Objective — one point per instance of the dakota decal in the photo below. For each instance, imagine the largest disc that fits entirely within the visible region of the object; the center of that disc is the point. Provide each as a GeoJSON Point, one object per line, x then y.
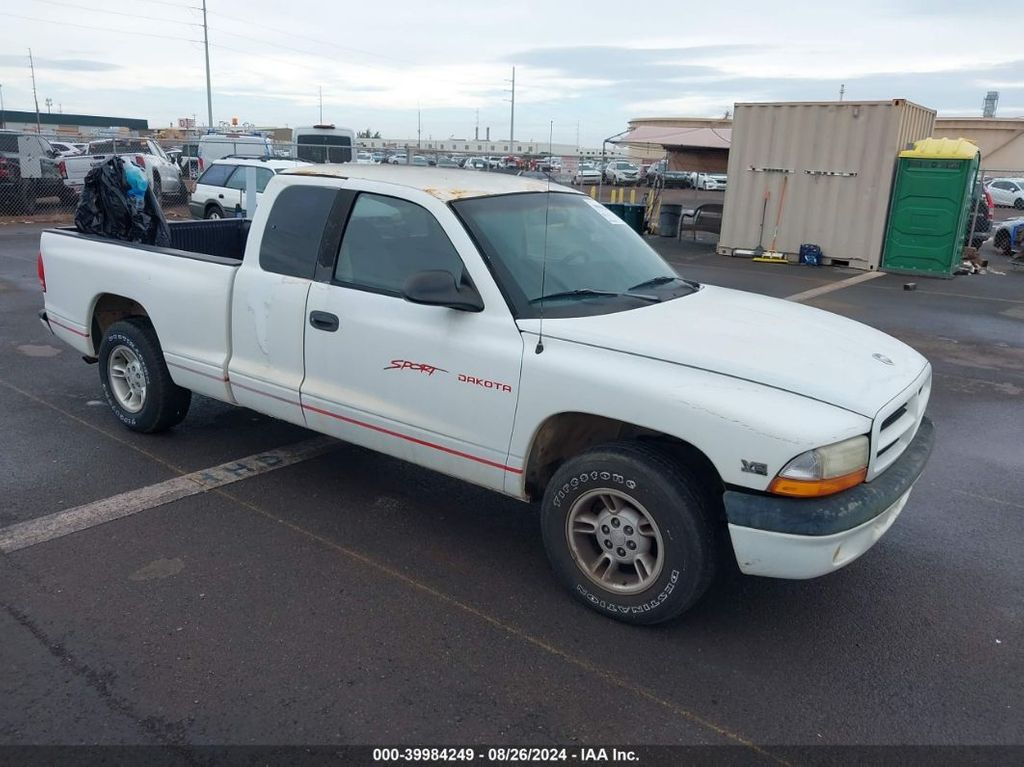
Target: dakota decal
{"type": "Point", "coordinates": [496, 385]}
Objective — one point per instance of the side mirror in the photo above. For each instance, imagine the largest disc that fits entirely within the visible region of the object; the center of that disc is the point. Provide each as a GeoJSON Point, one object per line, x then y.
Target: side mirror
{"type": "Point", "coordinates": [436, 287]}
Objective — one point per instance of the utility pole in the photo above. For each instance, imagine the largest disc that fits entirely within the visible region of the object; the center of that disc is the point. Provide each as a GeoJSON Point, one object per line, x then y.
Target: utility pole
{"type": "Point", "coordinates": [551, 132]}
{"type": "Point", "coordinates": [3, 116]}
{"type": "Point", "coordinates": [512, 117]}
{"type": "Point", "coordinates": [842, 90]}
{"type": "Point", "coordinates": [321, 105]}
{"type": "Point", "coordinates": [209, 92]}
{"type": "Point", "coordinates": [476, 132]}
{"type": "Point", "coordinates": [419, 126]}
{"type": "Point", "coordinates": [35, 98]}
{"type": "Point", "coordinates": [49, 105]}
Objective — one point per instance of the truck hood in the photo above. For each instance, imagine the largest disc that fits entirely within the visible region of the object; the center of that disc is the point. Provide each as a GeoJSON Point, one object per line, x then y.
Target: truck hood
{"type": "Point", "coordinates": [770, 341]}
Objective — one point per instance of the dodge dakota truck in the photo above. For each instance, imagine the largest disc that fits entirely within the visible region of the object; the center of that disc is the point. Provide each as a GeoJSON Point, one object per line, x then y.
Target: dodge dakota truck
{"type": "Point", "coordinates": [519, 336]}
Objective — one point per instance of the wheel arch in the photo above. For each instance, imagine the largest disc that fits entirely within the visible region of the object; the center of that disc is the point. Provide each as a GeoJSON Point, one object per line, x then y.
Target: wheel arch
{"type": "Point", "coordinates": [109, 308]}
{"type": "Point", "coordinates": [564, 435]}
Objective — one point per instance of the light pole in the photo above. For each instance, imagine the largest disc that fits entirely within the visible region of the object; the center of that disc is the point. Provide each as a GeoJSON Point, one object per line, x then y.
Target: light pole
{"type": "Point", "coordinates": [3, 117]}
{"type": "Point", "coordinates": [49, 104]}
{"type": "Point", "coordinates": [209, 93]}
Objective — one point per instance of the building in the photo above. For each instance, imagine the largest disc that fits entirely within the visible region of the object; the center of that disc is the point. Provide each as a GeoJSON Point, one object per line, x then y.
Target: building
{"type": "Point", "coordinates": [1001, 140]}
{"type": "Point", "coordinates": [72, 126]}
{"type": "Point", "coordinates": [647, 134]}
{"type": "Point", "coordinates": [483, 146]}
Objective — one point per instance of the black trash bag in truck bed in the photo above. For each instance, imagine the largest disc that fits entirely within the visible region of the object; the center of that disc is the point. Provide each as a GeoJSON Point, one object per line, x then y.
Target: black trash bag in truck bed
{"type": "Point", "coordinates": [105, 209]}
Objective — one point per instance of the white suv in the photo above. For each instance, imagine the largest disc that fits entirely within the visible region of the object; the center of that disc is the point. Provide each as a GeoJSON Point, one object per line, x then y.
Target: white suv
{"type": "Point", "coordinates": [622, 172]}
{"type": "Point", "coordinates": [220, 191]}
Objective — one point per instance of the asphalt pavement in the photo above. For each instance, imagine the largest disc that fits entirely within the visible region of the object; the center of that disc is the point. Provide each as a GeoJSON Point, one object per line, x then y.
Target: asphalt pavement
{"type": "Point", "coordinates": [353, 598]}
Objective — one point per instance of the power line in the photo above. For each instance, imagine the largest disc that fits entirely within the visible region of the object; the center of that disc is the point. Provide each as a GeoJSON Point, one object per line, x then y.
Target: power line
{"type": "Point", "coordinates": [119, 13]}
{"type": "Point", "coordinates": [128, 32]}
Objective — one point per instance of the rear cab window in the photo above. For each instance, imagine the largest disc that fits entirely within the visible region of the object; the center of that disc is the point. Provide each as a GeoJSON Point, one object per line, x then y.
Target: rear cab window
{"type": "Point", "coordinates": [300, 219]}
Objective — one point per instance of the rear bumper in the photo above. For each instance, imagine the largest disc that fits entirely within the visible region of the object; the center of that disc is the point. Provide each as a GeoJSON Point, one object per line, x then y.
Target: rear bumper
{"type": "Point", "coordinates": [804, 538]}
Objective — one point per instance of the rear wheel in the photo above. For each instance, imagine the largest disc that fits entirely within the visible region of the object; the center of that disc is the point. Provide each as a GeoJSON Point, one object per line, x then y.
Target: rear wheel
{"type": "Point", "coordinates": [135, 379]}
{"type": "Point", "coordinates": [630, 532]}
{"type": "Point", "coordinates": [1002, 241]}
{"type": "Point", "coordinates": [1019, 203]}
{"type": "Point", "coordinates": [214, 212]}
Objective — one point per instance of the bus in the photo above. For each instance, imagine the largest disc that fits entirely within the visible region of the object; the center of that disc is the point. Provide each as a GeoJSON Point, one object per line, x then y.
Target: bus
{"type": "Point", "coordinates": [324, 143]}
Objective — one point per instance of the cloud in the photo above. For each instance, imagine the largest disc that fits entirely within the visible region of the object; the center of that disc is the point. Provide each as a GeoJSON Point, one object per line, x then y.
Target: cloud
{"type": "Point", "coordinates": [73, 65]}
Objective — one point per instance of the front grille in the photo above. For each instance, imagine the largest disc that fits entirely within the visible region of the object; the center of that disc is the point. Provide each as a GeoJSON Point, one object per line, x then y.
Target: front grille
{"type": "Point", "coordinates": [896, 425]}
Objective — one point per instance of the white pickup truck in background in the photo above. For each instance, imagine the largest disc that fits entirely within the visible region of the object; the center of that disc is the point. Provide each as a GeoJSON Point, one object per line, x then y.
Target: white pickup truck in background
{"type": "Point", "coordinates": [524, 339]}
{"type": "Point", "coordinates": [163, 174]}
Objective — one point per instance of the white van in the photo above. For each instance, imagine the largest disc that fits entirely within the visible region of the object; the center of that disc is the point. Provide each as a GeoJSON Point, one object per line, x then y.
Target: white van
{"type": "Point", "coordinates": [324, 143]}
{"type": "Point", "coordinates": [215, 146]}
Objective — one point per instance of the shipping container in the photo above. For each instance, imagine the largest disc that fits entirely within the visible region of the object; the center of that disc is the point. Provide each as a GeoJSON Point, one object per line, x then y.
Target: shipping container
{"type": "Point", "coordinates": [818, 173]}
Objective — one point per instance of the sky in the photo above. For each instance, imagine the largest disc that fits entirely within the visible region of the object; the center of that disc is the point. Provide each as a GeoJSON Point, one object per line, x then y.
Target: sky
{"type": "Point", "coordinates": [583, 69]}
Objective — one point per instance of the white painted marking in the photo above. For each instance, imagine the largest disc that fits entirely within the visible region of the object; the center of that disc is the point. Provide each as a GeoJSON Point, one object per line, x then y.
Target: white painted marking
{"type": "Point", "coordinates": [57, 525]}
{"type": "Point", "coordinates": [833, 286]}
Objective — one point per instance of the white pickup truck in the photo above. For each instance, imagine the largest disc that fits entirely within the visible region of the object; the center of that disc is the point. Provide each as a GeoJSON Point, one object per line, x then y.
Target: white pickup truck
{"type": "Point", "coordinates": [522, 338]}
{"type": "Point", "coordinates": [163, 174]}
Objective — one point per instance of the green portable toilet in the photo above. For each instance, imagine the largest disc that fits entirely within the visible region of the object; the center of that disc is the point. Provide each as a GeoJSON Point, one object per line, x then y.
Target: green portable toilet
{"type": "Point", "coordinates": [930, 207]}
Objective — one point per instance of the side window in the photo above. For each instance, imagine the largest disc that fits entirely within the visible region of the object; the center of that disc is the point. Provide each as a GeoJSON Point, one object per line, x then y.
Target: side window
{"type": "Point", "coordinates": [263, 176]}
{"type": "Point", "coordinates": [216, 175]}
{"type": "Point", "coordinates": [387, 240]}
{"type": "Point", "coordinates": [237, 179]}
{"type": "Point", "coordinates": [295, 226]}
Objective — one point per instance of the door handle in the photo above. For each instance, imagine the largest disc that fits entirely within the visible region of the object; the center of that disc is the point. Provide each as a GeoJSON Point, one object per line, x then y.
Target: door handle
{"type": "Point", "coordinates": [324, 321]}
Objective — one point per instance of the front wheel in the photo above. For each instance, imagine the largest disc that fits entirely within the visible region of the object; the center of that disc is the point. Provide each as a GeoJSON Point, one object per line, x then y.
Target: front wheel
{"type": "Point", "coordinates": [135, 380]}
{"type": "Point", "coordinates": [630, 532]}
{"type": "Point", "coordinates": [1019, 203]}
{"type": "Point", "coordinates": [1002, 241]}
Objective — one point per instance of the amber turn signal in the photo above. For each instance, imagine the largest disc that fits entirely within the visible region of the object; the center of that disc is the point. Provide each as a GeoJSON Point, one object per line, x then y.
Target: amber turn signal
{"type": "Point", "coordinates": [815, 488]}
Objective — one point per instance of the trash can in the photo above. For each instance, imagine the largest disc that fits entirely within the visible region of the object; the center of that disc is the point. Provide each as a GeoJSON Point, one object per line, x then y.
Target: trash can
{"type": "Point", "coordinates": [668, 220]}
{"type": "Point", "coordinates": [617, 208]}
{"type": "Point", "coordinates": [633, 215]}
{"type": "Point", "coordinates": [930, 208]}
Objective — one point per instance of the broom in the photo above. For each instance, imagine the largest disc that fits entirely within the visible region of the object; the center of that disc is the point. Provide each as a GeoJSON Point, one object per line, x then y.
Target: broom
{"type": "Point", "coordinates": [773, 256]}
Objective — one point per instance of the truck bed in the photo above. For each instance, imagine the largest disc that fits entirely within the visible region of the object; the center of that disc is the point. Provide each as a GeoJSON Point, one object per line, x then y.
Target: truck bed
{"type": "Point", "coordinates": [185, 290]}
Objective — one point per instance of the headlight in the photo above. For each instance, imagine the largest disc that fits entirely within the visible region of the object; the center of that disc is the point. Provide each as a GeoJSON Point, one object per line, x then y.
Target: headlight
{"type": "Point", "coordinates": [824, 470]}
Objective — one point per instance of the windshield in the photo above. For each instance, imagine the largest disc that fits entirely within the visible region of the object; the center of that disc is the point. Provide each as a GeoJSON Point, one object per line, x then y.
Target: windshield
{"type": "Point", "coordinates": [567, 254]}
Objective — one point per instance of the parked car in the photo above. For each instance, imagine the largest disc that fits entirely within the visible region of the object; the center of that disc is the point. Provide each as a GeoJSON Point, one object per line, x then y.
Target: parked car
{"type": "Point", "coordinates": [364, 158]}
{"type": "Point", "coordinates": [446, 162]}
{"type": "Point", "coordinates": [622, 173]}
{"type": "Point", "coordinates": [29, 170]}
{"type": "Point", "coordinates": [780, 439]}
{"type": "Point", "coordinates": [586, 173]}
{"type": "Point", "coordinates": [220, 192]}
{"type": "Point", "coordinates": [63, 148]}
{"type": "Point", "coordinates": [1007, 192]}
{"type": "Point", "coordinates": [162, 173]}
{"type": "Point", "coordinates": [215, 146]}
{"type": "Point", "coordinates": [659, 174]}
{"type": "Point", "coordinates": [476, 163]}
{"type": "Point", "coordinates": [1009, 235]}
{"type": "Point", "coordinates": [713, 182]}
{"type": "Point", "coordinates": [397, 159]}
{"type": "Point", "coordinates": [420, 160]}
{"type": "Point", "coordinates": [378, 157]}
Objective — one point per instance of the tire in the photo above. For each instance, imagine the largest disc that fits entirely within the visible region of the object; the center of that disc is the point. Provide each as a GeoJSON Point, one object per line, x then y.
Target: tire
{"type": "Point", "coordinates": [977, 242]}
{"type": "Point", "coordinates": [1019, 203]}
{"type": "Point", "coordinates": [680, 552]}
{"type": "Point", "coordinates": [26, 199]}
{"type": "Point", "coordinates": [158, 190]}
{"type": "Point", "coordinates": [1002, 241]}
{"type": "Point", "coordinates": [213, 211]}
{"type": "Point", "coordinates": [132, 345]}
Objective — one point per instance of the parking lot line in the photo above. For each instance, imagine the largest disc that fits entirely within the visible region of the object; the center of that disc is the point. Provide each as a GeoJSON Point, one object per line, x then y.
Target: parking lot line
{"type": "Point", "coordinates": [833, 286]}
{"type": "Point", "coordinates": [34, 531]}
{"type": "Point", "coordinates": [569, 657]}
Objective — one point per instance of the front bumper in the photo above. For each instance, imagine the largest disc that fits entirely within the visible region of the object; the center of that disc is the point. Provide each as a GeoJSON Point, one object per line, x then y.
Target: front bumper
{"type": "Point", "coordinates": [804, 538]}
